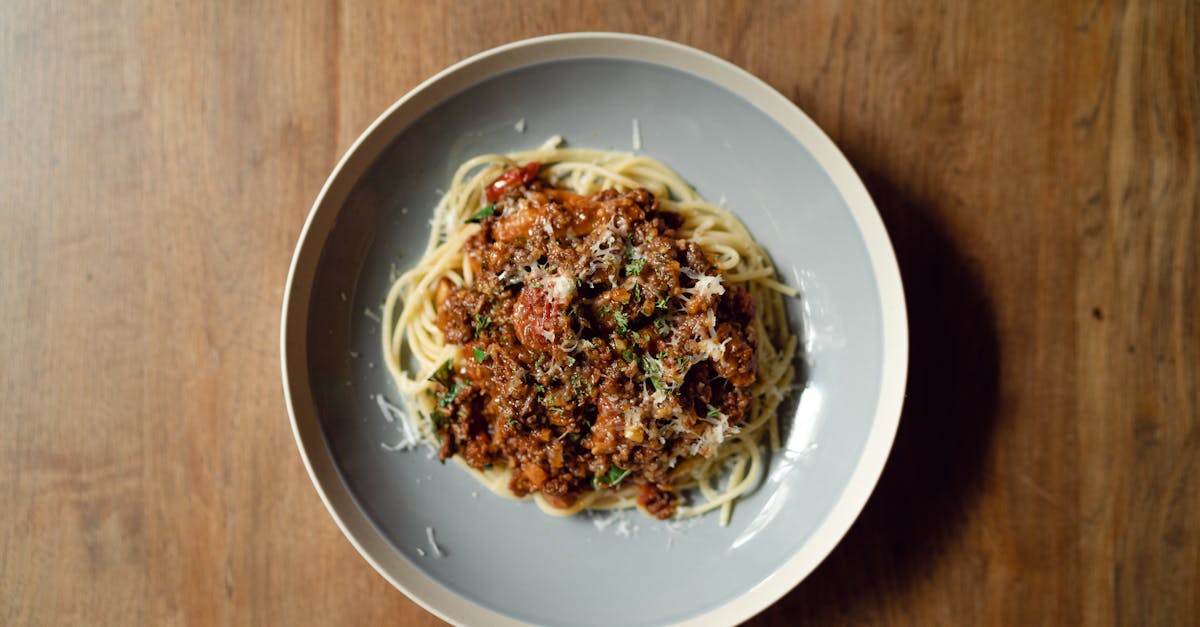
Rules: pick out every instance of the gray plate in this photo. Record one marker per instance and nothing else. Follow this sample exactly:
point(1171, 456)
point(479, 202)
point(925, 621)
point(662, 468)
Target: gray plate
point(737, 142)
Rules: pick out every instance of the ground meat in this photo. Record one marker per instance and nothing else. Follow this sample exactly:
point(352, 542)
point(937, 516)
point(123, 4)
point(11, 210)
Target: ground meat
point(659, 502)
point(591, 357)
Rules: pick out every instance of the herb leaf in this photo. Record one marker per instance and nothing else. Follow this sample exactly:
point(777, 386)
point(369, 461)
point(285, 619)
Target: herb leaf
point(458, 386)
point(442, 374)
point(481, 324)
point(480, 355)
point(634, 268)
point(612, 478)
point(622, 321)
point(713, 411)
point(486, 212)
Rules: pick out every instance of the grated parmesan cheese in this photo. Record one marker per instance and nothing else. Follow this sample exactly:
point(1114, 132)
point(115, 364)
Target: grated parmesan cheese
point(705, 286)
point(714, 350)
point(409, 436)
point(562, 288)
point(437, 550)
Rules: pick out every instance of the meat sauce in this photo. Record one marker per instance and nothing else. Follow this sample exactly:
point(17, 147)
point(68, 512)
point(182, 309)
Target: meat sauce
point(598, 349)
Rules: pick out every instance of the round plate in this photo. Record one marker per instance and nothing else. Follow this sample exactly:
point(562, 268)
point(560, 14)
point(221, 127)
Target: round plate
point(740, 144)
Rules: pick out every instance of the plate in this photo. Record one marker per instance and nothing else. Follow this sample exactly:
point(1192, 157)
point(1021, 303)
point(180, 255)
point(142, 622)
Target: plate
point(739, 143)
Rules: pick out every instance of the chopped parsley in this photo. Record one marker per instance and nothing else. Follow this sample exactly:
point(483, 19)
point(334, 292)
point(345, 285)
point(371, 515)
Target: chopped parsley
point(512, 422)
point(653, 373)
point(622, 321)
point(612, 478)
point(442, 374)
point(486, 212)
point(628, 356)
point(713, 411)
point(458, 386)
point(634, 268)
point(481, 324)
point(480, 355)
point(577, 383)
point(661, 303)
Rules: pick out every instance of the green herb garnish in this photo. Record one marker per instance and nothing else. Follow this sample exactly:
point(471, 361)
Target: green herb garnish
point(480, 355)
point(634, 268)
point(458, 386)
point(614, 476)
point(622, 321)
point(713, 411)
point(486, 212)
point(481, 324)
point(443, 372)
point(438, 418)
point(628, 356)
point(653, 372)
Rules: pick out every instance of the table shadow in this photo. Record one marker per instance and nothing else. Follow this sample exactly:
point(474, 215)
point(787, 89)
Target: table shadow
point(935, 471)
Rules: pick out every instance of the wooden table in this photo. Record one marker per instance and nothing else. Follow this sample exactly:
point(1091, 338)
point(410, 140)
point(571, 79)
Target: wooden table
point(1037, 165)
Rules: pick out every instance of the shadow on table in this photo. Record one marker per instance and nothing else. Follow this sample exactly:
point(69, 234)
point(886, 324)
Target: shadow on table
point(935, 469)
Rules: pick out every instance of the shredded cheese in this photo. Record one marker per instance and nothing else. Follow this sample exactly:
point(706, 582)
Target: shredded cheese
point(410, 437)
point(562, 288)
point(437, 550)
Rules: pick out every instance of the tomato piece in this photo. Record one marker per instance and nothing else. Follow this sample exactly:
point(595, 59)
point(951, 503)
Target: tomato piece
point(544, 318)
point(512, 178)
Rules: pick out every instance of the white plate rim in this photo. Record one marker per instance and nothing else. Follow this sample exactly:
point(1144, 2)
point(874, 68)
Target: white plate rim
point(361, 532)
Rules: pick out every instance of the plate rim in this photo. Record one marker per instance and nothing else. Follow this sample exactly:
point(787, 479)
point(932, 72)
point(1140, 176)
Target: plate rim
point(353, 522)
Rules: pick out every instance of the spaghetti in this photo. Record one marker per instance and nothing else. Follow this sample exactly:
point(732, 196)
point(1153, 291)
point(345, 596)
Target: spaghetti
point(553, 273)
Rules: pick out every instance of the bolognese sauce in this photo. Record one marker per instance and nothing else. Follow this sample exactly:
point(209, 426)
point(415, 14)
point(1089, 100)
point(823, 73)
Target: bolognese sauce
point(597, 348)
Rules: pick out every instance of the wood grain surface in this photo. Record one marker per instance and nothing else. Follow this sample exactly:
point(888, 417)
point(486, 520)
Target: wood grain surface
point(1036, 163)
